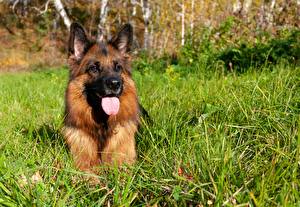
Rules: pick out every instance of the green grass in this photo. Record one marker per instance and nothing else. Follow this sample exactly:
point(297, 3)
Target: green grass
point(215, 139)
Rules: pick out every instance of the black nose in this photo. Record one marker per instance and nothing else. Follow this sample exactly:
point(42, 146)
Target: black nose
point(113, 83)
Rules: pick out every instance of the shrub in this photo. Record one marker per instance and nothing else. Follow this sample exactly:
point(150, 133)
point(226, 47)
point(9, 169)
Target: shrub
point(210, 48)
point(243, 56)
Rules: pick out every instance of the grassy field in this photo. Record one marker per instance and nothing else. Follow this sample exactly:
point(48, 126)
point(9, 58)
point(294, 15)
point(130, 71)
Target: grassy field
point(216, 140)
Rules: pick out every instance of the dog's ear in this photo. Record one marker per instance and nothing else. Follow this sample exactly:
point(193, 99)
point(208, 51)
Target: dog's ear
point(78, 41)
point(123, 40)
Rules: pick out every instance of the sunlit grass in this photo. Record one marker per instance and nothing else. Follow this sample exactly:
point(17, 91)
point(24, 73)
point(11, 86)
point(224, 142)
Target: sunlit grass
point(228, 140)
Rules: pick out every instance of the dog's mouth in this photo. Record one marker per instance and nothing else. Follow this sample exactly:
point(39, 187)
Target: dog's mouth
point(110, 105)
point(104, 96)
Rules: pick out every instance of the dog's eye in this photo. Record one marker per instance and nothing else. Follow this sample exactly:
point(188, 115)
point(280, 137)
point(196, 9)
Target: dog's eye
point(118, 67)
point(94, 69)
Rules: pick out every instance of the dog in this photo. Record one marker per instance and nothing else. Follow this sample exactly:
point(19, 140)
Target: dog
point(102, 112)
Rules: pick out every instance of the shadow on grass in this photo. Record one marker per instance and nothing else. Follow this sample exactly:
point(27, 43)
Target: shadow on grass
point(46, 133)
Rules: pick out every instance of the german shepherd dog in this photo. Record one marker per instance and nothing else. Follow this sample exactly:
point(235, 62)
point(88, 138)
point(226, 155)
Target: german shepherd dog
point(101, 105)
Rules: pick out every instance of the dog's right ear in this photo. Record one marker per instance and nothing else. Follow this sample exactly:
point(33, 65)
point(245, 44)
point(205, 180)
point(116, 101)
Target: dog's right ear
point(78, 42)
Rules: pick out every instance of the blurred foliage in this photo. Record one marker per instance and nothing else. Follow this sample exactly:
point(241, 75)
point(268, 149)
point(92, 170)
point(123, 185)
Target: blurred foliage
point(214, 48)
point(244, 56)
point(215, 32)
point(216, 45)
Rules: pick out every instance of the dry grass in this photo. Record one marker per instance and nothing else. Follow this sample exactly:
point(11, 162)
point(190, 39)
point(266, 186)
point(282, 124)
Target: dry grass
point(27, 51)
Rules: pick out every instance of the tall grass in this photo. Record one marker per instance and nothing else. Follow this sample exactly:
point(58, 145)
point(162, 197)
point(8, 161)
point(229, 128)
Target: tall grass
point(215, 140)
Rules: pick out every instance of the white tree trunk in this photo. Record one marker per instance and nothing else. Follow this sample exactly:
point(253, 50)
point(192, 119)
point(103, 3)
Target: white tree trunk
point(182, 23)
point(133, 2)
point(146, 37)
point(102, 21)
point(246, 7)
point(236, 7)
point(25, 8)
point(273, 2)
point(192, 17)
point(146, 15)
point(60, 9)
point(261, 16)
point(298, 12)
point(270, 15)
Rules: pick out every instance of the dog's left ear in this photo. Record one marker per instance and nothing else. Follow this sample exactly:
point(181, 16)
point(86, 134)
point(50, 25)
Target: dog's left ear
point(78, 41)
point(123, 40)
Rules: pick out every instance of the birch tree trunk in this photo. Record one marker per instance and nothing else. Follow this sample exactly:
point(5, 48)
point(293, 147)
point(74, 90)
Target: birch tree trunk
point(101, 26)
point(192, 17)
point(133, 2)
point(151, 36)
point(261, 16)
point(25, 8)
point(270, 15)
point(146, 15)
point(132, 21)
point(298, 12)
point(236, 7)
point(60, 9)
point(246, 8)
point(155, 22)
point(241, 7)
point(182, 23)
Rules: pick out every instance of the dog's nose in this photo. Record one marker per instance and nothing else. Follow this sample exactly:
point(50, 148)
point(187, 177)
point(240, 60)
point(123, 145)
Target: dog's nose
point(113, 83)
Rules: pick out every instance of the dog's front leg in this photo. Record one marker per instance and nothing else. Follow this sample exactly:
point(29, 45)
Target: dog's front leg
point(84, 149)
point(120, 146)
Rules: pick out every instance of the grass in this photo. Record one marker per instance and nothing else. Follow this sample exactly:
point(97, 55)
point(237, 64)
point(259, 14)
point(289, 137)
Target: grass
point(216, 140)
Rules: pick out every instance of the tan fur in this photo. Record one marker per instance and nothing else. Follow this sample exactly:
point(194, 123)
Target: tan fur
point(120, 148)
point(86, 145)
point(83, 147)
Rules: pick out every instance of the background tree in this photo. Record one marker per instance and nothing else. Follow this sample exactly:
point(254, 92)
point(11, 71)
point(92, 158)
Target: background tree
point(161, 26)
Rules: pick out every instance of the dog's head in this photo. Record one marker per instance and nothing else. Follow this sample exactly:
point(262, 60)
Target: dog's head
point(98, 69)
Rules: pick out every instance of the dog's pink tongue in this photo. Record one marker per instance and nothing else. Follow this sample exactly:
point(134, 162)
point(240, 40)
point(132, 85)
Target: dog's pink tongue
point(110, 105)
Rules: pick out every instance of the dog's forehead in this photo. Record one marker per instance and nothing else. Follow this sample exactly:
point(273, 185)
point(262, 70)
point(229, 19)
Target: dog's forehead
point(102, 46)
point(103, 52)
